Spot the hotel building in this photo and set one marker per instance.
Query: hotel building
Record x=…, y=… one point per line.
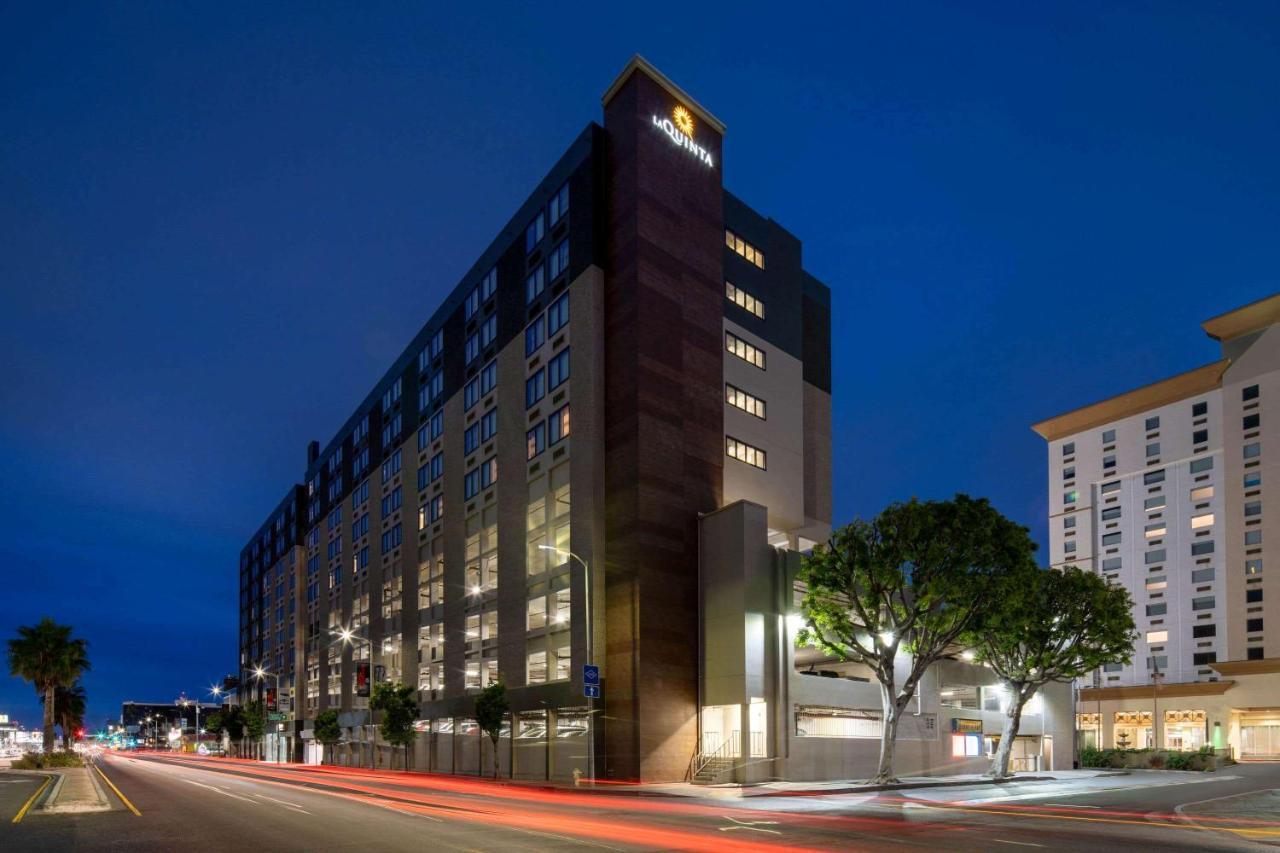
x=1163, y=490
x=608, y=446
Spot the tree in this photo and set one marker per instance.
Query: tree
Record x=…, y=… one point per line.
x=49, y=657
x=234, y=719
x=491, y=712
x=399, y=707
x=215, y=724
x=327, y=729
x=255, y=723
x=911, y=580
x=68, y=710
x=1047, y=626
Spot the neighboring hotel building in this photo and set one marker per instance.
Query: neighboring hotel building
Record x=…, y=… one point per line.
x=1163, y=490
x=474, y=530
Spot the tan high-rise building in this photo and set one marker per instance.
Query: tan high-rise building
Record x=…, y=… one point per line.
x=1163, y=490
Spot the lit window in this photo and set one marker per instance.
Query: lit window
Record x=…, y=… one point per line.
x=743, y=248
x=743, y=350
x=1157, y=637
x=742, y=299
x=1202, y=494
x=1201, y=521
x=741, y=399
x=744, y=452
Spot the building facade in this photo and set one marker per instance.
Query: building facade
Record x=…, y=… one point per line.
x=1162, y=490
x=608, y=446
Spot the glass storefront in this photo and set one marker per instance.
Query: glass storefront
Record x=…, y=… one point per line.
x=1184, y=729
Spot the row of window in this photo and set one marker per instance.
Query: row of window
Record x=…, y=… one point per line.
x=744, y=452
x=742, y=299
x=740, y=399
x=743, y=248
x=750, y=354
x=547, y=379
x=546, y=433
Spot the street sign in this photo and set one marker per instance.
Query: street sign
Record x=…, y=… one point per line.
x=591, y=691
x=275, y=716
x=590, y=674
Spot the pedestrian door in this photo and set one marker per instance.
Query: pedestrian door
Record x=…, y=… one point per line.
x=1260, y=741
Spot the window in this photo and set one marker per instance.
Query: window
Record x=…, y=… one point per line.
x=1154, y=583
x=1252, y=479
x=1069, y=546
x=473, y=303
x=471, y=439
x=1069, y=473
x=1252, y=508
x=1154, y=557
x=743, y=248
x=1157, y=637
x=1253, y=537
x=1252, y=567
x=1111, y=564
x=391, y=467
x=489, y=425
x=1069, y=448
x=1111, y=539
x=1201, y=631
x=390, y=432
x=392, y=395
x=1109, y=461
x=1070, y=497
x=534, y=233
x=481, y=477
x=1199, y=549
x=1111, y=513
x=536, y=439
x=1108, y=488
x=437, y=344
x=1199, y=409
x=489, y=284
x=1204, y=658
x=471, y=349
x=1199, y=522
x=1202, y=575
x=1252, y=451
x=534, y=337
x=1200, y=436
x=1153, y=449
x=1202, y=603
x=429, y=473
x=480, y=385
x=391, y=502
x=558, y=369
x=1253, y=626
x=1152, y=477
x=743, y=350
x=1202, y=494
x=1156, y=528
x=1252, y=596
x=534, y=284
x=558, y=425
x=1250, y=393
x=535, y=388
x=359, y=494
x=742, y=299
x=1153, y=423
x=1109, y=437
x=744, y=452
x=559, y=205
x=558, y=315
x=1254, y=653
x=536, y=666
x=391, y=539
x=558, y=260
x=433, y=511
x=488, y=331
x=1156, y=502
x=1251, y=421
x=430, y=389
x=1069, y=522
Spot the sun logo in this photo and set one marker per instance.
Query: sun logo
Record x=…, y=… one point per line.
x=683, y=120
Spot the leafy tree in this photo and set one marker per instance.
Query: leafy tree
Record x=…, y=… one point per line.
x=491, y=711
x=911, y=580
x=49, y=657
x=234, y=720
x=399, y=706
x=214, y=723
x=68, y=710
x=1046, y=626
x=327, y=730
x=255, y=723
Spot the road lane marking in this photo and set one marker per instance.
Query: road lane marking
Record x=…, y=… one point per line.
x=1006, y=813
x=1094, y=791
x=749, y=825
x=1019, y=843
x=119, y=794
x=1244, y=831
x=1071, y=806
x=22, y=811
x=293, y=806
x=220, y=791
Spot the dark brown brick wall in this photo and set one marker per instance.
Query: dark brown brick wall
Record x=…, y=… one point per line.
x=664, y=425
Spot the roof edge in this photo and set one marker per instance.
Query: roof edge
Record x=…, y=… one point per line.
x=1245, y=319
x=1159, y=393
x=639, y=63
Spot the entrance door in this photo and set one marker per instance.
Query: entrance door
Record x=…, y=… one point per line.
x=1260, y=741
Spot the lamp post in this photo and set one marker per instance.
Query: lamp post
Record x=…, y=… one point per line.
x=349, y=638
x=184, y=702
x=586, y=592
x=260, y=673
x=1156, y=677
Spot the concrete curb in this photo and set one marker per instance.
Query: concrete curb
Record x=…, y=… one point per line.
x=74, y=802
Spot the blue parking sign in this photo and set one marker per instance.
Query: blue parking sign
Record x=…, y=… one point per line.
x=591, y=691
x=590, y=674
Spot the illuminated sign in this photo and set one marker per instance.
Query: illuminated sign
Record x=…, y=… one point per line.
x=959, y=724
x=679, y=129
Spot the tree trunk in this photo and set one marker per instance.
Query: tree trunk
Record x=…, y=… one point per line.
x=48, y=744
x=891, y=706
x=495, y=757
x=1012, y=721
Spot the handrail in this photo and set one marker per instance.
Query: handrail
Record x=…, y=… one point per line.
x=702, y=759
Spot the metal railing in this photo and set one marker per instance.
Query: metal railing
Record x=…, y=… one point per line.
x=725, y=750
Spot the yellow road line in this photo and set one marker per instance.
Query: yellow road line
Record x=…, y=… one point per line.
x=122, y=797
x=22, y=812
x=1081, y=818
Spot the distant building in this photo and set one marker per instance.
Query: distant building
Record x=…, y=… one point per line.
x=164, y=718
x=1162, y=490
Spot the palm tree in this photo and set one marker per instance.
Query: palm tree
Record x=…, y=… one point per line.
x=68, y=710
x=49, y=657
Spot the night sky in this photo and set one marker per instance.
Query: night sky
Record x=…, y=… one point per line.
x=219, y=226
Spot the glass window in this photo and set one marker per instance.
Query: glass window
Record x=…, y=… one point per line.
x=1250, y=393
x=558, y=369
x=1199, y=409
x=1252, y=451
x=535, y=388
x=558, y=315
x=559, y=205
x=1109, y=436
x=534, y=336
x=558, y=425
x=1153, y=423
x=536, y=439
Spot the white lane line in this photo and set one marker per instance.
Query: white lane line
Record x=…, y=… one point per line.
x=220, y=791
x=1182, y=815
x=1092, y=791
x=1071, y=806
x=1020, y=843
x=293, y=806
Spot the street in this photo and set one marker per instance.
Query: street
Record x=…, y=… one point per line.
x=210, y=804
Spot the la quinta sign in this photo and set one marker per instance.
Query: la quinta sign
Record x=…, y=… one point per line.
x=679, y=129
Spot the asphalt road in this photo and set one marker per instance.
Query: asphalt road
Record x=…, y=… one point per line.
x=202, y=804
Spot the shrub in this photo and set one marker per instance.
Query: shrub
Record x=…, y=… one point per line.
x=40, y=761
x=1156, y=761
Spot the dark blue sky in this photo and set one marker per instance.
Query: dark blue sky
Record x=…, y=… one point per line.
x=218, y=226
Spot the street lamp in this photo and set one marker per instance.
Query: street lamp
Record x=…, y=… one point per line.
x=349, y=638
x=586, y=591
x=260, y=674
x=184, y=702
